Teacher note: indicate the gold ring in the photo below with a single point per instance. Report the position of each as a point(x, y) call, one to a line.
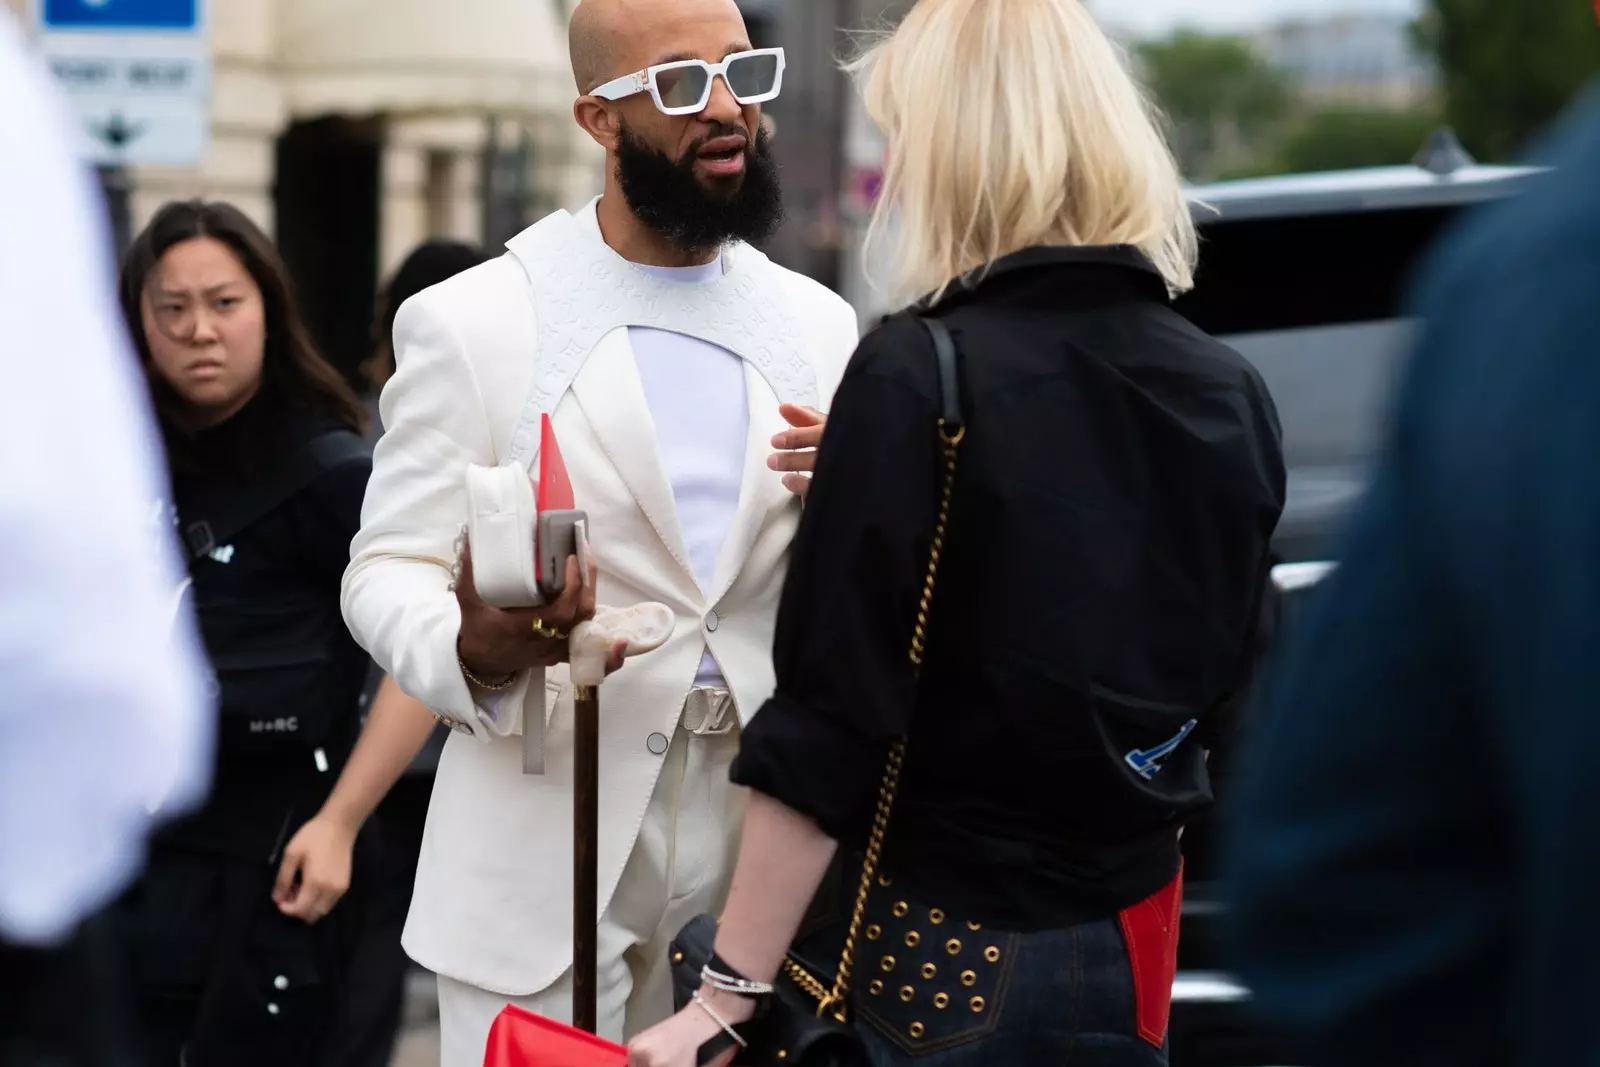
point(547, 631)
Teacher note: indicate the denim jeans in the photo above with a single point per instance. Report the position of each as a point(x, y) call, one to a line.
point(1069, 1002)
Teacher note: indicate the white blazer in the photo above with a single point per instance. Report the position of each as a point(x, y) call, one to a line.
point(493, 899)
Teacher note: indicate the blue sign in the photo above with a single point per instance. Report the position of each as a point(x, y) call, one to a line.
point(166, 15)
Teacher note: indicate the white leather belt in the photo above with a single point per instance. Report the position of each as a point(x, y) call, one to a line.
point(709, 712)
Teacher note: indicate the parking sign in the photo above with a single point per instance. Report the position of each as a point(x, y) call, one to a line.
point(182, 15)
point(139, 73)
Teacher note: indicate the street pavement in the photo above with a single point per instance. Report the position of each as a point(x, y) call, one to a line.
point(419, 1028)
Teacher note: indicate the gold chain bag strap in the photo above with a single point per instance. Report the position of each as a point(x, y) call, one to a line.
point(952, 430)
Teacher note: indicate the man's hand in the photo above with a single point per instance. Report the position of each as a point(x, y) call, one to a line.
point(496, 642)
point(315, 872)
point(797, 447)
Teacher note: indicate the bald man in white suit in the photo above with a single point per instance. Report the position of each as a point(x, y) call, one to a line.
point(673, 359)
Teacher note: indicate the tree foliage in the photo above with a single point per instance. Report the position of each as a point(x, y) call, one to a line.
point(1336, 138)
point(1222, 99)
point(1508, 67)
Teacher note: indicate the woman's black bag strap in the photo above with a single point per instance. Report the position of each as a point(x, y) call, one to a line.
point(218, 524)
point(944, 350)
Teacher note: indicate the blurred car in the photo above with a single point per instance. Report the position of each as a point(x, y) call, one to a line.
point(1305, 275)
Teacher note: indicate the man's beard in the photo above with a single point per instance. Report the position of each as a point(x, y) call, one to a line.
point(667, 196)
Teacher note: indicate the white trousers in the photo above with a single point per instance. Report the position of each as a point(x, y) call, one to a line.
point(679, 867)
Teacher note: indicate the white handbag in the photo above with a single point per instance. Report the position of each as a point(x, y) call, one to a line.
point(501, 529)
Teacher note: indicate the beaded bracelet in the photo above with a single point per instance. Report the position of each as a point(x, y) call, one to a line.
point(727, 1027)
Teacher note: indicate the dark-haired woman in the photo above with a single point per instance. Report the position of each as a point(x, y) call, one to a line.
point(269, 467)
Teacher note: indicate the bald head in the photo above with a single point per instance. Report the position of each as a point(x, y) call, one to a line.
point(591, 40)
point(609, 38)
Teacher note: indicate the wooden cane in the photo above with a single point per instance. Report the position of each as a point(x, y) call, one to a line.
point(585, 848)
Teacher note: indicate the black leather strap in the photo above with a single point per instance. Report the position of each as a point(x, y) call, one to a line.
point(214, 521)
point(944, 350)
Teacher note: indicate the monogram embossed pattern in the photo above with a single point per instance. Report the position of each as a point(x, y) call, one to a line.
point(583, 290)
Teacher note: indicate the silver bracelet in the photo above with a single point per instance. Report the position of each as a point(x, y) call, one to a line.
point(743, 987)
point(719, 1020)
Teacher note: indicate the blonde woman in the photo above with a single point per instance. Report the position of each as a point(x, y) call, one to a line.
point(1117, 479)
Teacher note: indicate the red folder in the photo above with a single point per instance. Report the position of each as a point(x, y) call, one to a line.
point(520, 1038)
point(555, 488)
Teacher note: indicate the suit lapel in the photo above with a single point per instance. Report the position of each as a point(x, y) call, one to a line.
point(760, 489)
point(612, 398)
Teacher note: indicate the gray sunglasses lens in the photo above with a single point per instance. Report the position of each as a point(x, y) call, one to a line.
point(682, 86)
point(750, 76)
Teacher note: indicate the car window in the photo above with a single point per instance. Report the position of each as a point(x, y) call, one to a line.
point(1317, 303)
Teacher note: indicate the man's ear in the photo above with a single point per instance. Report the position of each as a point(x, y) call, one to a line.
point(598, 121)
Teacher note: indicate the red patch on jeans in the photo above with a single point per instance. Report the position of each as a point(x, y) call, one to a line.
point(1150, 931)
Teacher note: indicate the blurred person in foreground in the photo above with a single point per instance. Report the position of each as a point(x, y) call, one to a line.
point(238, 958)
point(1415, 853)
point(103, 708)
point(1116, 487)
point(663, 347)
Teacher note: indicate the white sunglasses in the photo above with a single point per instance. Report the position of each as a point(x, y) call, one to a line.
point(684, 87)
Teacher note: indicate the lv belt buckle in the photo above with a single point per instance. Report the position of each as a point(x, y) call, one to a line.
point(708, 713)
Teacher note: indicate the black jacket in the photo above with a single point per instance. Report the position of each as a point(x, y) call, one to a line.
point(290, 675)
point(1118, 487)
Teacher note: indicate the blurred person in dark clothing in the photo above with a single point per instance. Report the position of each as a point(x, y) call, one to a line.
point(374, 791)
point(268, 468)
point(428, 264)
point(1416, 854)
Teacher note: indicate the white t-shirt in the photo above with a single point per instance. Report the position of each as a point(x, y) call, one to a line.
point(697, 400)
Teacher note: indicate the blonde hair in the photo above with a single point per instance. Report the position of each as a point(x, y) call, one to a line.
point(1014, 123)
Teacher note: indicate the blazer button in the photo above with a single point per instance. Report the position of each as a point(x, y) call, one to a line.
point(656, 743)
point(712, 621)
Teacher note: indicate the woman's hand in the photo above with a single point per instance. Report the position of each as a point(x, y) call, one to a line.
point(319, 854)
point(796, 448)
point(676, 1042)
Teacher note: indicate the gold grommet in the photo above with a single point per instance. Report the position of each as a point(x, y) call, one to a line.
point(888, 963)
point(906, 993)
point(941, 1000)
point(969, 978)
point(883, 880)
point(913, 939)
point(936, 916)
point(991, 954)
point(916, 1030)
point(977, 1005)
point(875, 986)
point(874, 932)
point(952, 946)
point(929, 970)
point(677, 957)
point(974, 927)
point(900, 909)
